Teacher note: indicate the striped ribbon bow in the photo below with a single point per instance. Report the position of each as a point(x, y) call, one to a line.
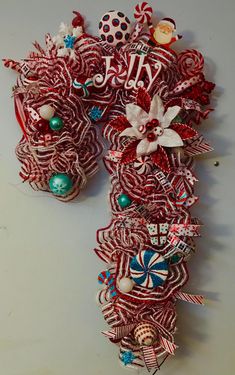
point(20, 115)
point(149, 355)
point(191, 298)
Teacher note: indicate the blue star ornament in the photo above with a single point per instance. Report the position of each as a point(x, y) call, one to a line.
point(127, 358)
point(69, 41)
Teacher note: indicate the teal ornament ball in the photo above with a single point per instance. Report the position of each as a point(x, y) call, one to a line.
point(60, 184)
point(175, 259)
point(124, 201)
point(56, 123)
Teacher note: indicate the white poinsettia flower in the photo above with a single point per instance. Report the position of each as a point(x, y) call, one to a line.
point(65, 40)
point(152, 128)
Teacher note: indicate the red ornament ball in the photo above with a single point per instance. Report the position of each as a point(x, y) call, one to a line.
point(151, 137)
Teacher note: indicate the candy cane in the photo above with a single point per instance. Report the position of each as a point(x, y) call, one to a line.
point(181, 198)
point(106, 278)
point(15, 65)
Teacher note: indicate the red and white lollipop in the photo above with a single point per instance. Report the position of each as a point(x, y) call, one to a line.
point(143, 12)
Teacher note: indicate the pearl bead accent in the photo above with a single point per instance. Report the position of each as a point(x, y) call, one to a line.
point(126, 285)
point(46, 112)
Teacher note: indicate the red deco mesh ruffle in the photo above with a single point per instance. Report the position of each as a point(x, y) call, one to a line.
point(46, 79)
point(157, 196)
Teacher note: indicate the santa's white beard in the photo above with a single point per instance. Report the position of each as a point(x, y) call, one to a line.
point(162, 38)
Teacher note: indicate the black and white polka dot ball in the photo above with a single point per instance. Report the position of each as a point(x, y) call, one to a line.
point(115, 28)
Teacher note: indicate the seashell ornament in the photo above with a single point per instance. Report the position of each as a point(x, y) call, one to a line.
point(145, 334)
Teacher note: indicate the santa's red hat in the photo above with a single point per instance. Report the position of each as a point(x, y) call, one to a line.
point(78, 20)
point(168, 21)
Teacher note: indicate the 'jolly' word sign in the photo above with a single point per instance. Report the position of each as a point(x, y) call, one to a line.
point(136, 69)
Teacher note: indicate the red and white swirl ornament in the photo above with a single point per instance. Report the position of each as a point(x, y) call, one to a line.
point(190, 63)
point(117, 76)
point(143, 12)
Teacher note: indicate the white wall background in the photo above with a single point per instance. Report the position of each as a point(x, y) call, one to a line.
point(49, 322)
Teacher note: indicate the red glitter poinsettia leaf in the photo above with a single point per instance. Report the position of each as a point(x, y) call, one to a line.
point(120, 123)
point(208, 86)
point(173, 102)
point(160, 159)
point(143, 99)
point(129, 153)
point(184, 131)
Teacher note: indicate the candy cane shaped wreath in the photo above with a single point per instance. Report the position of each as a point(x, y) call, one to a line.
point(149, 100)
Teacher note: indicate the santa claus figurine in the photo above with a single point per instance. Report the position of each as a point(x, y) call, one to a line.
point(162, 34)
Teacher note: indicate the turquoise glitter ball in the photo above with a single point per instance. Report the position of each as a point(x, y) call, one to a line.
point(56, 123)
point(60, 184)
point(124, 201)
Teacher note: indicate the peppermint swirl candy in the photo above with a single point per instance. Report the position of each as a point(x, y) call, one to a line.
point(190, 63)
point(84, 86)
point(143, 165)
point(117, 76)
point(149, 269)
point(143, 12)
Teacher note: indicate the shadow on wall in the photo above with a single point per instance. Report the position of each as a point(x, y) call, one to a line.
point(193, 321)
